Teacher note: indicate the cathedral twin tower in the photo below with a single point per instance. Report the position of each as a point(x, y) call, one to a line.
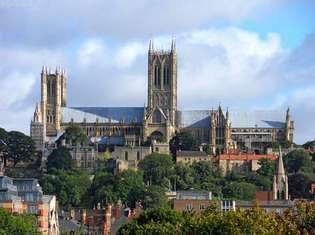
point(160, 119)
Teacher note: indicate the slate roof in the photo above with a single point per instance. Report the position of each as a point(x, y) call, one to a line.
point(185, 119)
point(104, 114)
point(194, 119)
point(239, 119)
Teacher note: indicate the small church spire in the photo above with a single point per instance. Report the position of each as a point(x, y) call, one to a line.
point(280, 171)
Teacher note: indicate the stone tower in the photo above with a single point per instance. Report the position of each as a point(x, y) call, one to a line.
point(53, 97)
point(162, 92)
point(280, 181)
point(37, 128)
point(289, 127)
point(162, 80)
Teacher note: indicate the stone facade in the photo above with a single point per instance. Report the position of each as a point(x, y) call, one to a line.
point(241, 162)
point(189, 157)
point(223, 130)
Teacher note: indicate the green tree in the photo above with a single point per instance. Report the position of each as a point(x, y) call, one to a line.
point(156, 168)
point(17, 224)
point(154, 197)
point(74, 134)
point(299, 185)
point(239, 190)
point(20, 147)
point(59, 159)
point(182, 141)
point(184, 176)
point(267, 167)
point(69, 186)
point(129, 184)
point(298, 160)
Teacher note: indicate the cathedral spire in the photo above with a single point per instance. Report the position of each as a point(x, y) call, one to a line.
point(173, 48)
point(151, 46)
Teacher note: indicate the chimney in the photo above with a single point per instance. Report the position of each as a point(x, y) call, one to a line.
point(107, 220)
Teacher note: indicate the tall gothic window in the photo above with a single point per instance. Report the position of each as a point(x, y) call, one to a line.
point(156, 116)
point(165, 76)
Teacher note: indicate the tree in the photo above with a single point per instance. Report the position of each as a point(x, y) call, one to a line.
point(182, 141)
point(184, 177)
point(20, 147)
point(129, 184)
point(299, 185)
point(59, 159)
point(69, 186)
point(239, 190)
point(267, 167)
point(154, 197)
point(298, 160)
point(156, 167)
point(17, 224)
point(300, 220)
point(74, 134)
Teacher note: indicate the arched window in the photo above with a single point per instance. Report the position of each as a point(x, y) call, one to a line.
point(156, 116)
point(168, 76)
point(165, 76)
point(126, 156)
point(159, 77)
point(155, 76)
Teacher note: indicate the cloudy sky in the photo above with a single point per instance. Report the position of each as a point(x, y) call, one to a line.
point(257, 54)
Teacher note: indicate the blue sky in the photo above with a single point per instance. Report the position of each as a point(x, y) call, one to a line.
point(256, 54)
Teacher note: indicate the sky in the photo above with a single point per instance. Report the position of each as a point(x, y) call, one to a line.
point(257, 54)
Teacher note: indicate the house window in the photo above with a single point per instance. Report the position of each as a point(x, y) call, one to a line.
point(188, 207)
point(126, 156)
point(138, 156)
point(202, 206)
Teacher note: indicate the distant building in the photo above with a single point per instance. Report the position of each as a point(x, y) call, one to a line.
point(26, 196)
point(267, 206)
point(160, 118)
point(241, 162)
point(192, 200)
point(128, 157)
point(280, 190)
point(280, 182)
point(189, 157)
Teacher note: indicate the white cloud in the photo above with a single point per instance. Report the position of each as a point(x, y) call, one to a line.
point(14, 88)
point(93, 52)
point(126, 55)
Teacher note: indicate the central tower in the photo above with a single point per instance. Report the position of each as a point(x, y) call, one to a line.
point(160, 114)
point(162, 82)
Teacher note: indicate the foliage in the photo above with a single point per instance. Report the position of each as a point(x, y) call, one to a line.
point(255, 221)
point(154, 197)
point(106, 187)
point(299, 185)
point(240, 190)
point(156, 168)
point(69, 186)
point(74, 134)
point(182, 141)
point(308, 144)
point(17, 224)
point(267, 167)
point(298, 160)
point(283, 144)
point(59, 159)
point(20, 147)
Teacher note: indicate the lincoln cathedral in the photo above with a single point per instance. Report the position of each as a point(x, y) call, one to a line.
point(221, 129)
